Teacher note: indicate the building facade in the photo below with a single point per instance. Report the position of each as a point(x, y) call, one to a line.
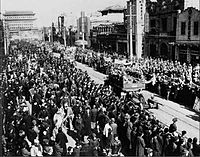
point(3, 45)
point(161, 35)
point(83, 28)
point(188, 36)
point(110, 38)
point(20, 24)
point(1, 38)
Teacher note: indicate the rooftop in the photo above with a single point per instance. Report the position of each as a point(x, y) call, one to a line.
point(18, 13)
point(113, 9)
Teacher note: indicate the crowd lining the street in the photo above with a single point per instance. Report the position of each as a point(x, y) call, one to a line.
point(171, 80)
point(48, 103)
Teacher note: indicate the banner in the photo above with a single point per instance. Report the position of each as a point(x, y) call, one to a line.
point(196, 106)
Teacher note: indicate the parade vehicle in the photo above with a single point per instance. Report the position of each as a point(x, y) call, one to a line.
point(121, 86)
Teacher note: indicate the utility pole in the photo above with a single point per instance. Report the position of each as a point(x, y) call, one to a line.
point(0, 9)
point(131, 14)
point(52, 32)
point(49, 35)
point(131, 30)
point(62, 27)
point(139, 32)
point(5, 36)
point(83, 29)
point(64, 36)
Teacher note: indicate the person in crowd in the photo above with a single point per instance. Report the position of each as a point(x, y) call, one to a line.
point(116, 147)
point(188, 146)
point(35, 127)
point(140, 145)
point(155, 144)
point(166, 139)
point(128, 126)
point(114, 128)
point(62, 140)
point(183, 137)
point(94, 112)
point(107, 137)
point(47, 148)
point(36, 149)
point(69, 115)
point(181, 150)
point(173, 127)
point(196, 147)
point(46, 98)
point(78, 125)
point(94, 144)
point(171, 147)
point(25, 149)
point(87, 121)
point(85, 149)
point(77, 150)
point(57, 149)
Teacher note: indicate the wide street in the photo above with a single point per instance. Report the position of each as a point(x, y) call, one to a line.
point(187, 120)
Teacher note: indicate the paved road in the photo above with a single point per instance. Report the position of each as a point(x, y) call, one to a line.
point(187, 120)
point(95, 75)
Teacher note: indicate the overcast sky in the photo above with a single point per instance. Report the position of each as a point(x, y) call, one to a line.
point(47, 11)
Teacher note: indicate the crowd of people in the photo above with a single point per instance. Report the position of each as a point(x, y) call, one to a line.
point(171, 80)
point(51, 108)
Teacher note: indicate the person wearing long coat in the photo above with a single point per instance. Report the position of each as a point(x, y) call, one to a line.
point(155, 145)
point(87, 122)
point(78, 125)
point(62, 139)
point(140, 145)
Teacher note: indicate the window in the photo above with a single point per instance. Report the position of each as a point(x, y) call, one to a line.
point(196, 23)
point(153, 23)
point(164, 24)
point(183, 26)
point(174, 25)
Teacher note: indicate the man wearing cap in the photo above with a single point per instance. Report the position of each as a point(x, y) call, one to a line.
point(173, 127)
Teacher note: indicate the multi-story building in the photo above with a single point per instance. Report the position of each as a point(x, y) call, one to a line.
point(83, 28)
point(110, 38)
point(20, 24)
point(1, 38)
point(110, 35)
point(135, 24)
point(161, 36)
point(97, 19)
point(188, 36)
point(3, 46)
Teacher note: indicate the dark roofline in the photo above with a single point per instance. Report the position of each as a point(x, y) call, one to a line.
point(189, 8)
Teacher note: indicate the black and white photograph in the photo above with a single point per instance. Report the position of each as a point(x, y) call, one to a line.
point(100, 78)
